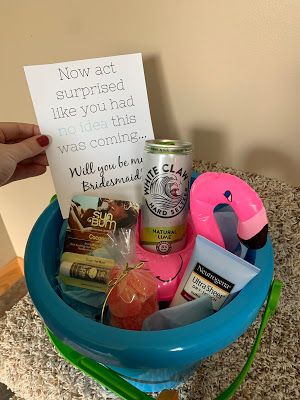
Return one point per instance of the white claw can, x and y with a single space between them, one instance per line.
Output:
167 166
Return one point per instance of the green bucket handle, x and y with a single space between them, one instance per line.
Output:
271 306
101 374
112 381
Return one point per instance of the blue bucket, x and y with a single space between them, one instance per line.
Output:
151 361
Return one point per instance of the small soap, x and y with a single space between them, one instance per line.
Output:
133 299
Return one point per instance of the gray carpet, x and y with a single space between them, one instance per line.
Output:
32 369
7 301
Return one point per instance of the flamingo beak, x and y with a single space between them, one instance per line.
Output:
257 241
253 233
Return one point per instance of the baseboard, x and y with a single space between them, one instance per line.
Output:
10 274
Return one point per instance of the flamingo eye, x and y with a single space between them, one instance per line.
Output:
228 195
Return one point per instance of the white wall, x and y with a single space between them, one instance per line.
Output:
21 204
7 251
225 74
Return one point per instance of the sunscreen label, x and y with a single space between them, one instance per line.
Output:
203 281
78 268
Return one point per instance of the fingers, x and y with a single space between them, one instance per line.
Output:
39 159
27 171
28 148
11 131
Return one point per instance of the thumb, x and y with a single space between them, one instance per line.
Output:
28 148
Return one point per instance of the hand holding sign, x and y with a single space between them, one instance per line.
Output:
97 114
21 151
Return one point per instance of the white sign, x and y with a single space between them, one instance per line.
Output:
97 114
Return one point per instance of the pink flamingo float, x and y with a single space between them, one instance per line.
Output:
211 189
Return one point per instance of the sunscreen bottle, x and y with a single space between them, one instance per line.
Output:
213 271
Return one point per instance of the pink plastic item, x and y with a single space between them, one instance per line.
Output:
133 299
168 269
211 189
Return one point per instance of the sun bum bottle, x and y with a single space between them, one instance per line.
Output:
85 272
167 166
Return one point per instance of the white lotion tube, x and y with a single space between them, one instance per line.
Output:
213 271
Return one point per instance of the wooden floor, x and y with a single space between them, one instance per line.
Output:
10 274
5 394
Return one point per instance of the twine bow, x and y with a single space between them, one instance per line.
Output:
114 282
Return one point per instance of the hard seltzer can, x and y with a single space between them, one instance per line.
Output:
167 166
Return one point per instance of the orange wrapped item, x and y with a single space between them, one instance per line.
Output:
133 296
